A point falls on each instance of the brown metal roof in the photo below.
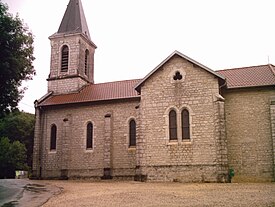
(96, 92)
(254, 76)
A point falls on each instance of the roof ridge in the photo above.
(137, 79)
(137, 87)
(253, 66)
(272, 68)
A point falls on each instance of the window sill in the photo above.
(181, 142)
(52, 152)
(173, 142)
(89, 150)
(186, 141)
(132, 148)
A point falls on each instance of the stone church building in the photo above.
(182, 122)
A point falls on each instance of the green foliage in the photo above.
(12, 157)
(16, 57)
(19, 126)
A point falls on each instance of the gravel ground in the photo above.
(110, 193)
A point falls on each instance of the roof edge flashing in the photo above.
(94, 101)
(139, 85)
(37, 102)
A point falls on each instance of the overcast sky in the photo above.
(134, 36)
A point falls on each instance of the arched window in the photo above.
(86, 61)
(173, 125)
(65, 58)
(185, 124)
(53, 137)
(89, 134)
(132, 133)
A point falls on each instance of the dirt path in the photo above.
(84, 193)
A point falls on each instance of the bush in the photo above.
(12, 157)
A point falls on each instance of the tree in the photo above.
(19, 126)
(16, 57)
(12, 157)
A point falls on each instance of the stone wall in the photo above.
(248, 127)
(197, 159)
(66, 85)
(272, 119)
(110, 150)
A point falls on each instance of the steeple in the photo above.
(74, 20)
(72, 52)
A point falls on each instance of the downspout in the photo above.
(37, 140)
(41, 136)
(221, 86)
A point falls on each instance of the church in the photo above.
(183, 122)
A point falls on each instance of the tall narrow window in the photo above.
(65, 59)
(89, 139)
(53, 137)
(132, 133)
(86, 61)
(185, 124)
(172, 125)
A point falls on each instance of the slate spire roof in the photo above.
(74, 20)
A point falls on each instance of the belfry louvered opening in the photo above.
(65, 59)
(86, 61)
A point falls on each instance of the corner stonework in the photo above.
(221, 143)
(108, 139)
(36, 166)
(272, 121)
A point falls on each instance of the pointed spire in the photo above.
(74, 20)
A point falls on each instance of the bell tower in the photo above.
(72, 52)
